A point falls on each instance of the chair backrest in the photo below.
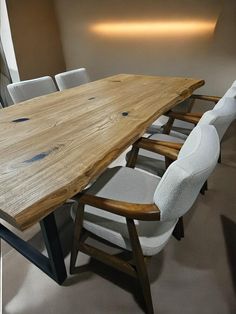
(182, 181)
(25, 90)
(231, 92)
(221, 116)
(233, 84)
(72, 78)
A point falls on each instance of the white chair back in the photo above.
(231, 92)
(72, 78)
(221, 116)
(233, 84)
(182, 181)
(25, 90)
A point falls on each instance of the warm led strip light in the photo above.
(166, 28)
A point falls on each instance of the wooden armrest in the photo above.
(159, 142)
(130, 210)
(186, 117)
(215, 99)
(192, 114)
(167, 149)
(187, 114)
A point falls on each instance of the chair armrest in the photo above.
(167, 149)
(186, 117)
(174, 145)
(193, 114)
(214, 99)
(146, 212)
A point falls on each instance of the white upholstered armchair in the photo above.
(138, 212)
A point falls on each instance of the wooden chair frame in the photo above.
(191, 117)
(167, 149)
(137, 267)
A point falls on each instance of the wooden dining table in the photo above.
(53, 146)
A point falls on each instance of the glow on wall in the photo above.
(155, 28)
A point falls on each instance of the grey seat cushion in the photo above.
(133, 186)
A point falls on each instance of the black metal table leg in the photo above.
(52, 242)
(53, 265)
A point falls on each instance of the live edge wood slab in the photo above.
(52, 146)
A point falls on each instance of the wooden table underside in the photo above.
(52, 146)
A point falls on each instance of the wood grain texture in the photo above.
(214, 99)
(156, 147)
(186, 117)
(174, 145)
(146, 212)
(52, 146)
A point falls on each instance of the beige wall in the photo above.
(36, 38)
(212, 56)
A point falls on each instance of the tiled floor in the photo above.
(196, 275)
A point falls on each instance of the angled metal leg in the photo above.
(52, 242)
(53, 265)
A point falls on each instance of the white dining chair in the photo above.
(138, 212)
(180, 120)
(161, 124)
(25, 90)
(72, 78)
(190, 119)
(221, 116)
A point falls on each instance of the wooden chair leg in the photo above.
(132, 157)
(168, 162)
(219, 159)
(204, 188)
(178, 232)
(191, 104)
(140, 265)
(168, 126)
(138, 270)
